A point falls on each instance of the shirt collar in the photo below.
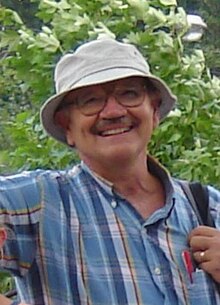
(155, 169)
(104, 183)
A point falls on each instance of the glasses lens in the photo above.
(91, 105)
(130, 96)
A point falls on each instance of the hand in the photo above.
(7, 301)
(205, 245)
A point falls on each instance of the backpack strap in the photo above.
(198, 196)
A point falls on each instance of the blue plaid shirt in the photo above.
(72, 240)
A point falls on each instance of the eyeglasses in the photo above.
(94, 102)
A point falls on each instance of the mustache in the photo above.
(125, 121)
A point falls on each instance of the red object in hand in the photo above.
(188, 262)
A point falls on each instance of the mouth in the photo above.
(115, 131)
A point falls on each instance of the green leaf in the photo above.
(168, 2)
(17, 18)
(140, 7)
(155, 17)
(175, 137)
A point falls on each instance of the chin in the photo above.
(121, 154)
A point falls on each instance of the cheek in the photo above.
(78, 128)
(150, 114)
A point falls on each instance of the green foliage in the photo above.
(32, 147)
(210, 12)
(6, 283)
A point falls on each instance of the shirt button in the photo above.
(157, 271)
(114, 204)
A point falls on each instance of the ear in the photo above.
(70, 138)
(156, 110)
(156, 117)
(61, 119)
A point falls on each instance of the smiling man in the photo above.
(116, 229)
(111, 123)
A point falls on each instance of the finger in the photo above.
(209, 262)
(212, 268)
(199, 243)
(201, 257)
(203, 231)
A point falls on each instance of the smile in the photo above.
(116, 131)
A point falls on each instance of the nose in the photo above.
(112, 109)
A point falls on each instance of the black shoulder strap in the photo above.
(199, 198)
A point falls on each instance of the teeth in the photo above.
(114, 131)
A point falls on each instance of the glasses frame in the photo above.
(76, 103)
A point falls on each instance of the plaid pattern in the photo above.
(73, 241)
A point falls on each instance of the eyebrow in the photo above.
(117, 84)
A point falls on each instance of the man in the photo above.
(116, 229)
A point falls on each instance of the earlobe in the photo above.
(69, 138)
(156, 119)
(156, 101)
(156, 113)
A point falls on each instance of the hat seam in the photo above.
(95, 64)
(101, 70)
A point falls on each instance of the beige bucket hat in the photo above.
(96, 62)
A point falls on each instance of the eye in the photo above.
(90, 101)
(129, 93)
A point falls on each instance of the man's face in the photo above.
(112, 123)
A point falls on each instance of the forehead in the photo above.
(116, 83)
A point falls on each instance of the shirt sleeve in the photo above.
(19, 215)
(214, 205)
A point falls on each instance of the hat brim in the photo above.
(49, 107)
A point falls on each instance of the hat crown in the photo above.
(96, 56)
(96, 62)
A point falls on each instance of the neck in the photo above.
(126, 177)
(135, 182)
(143, 190)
